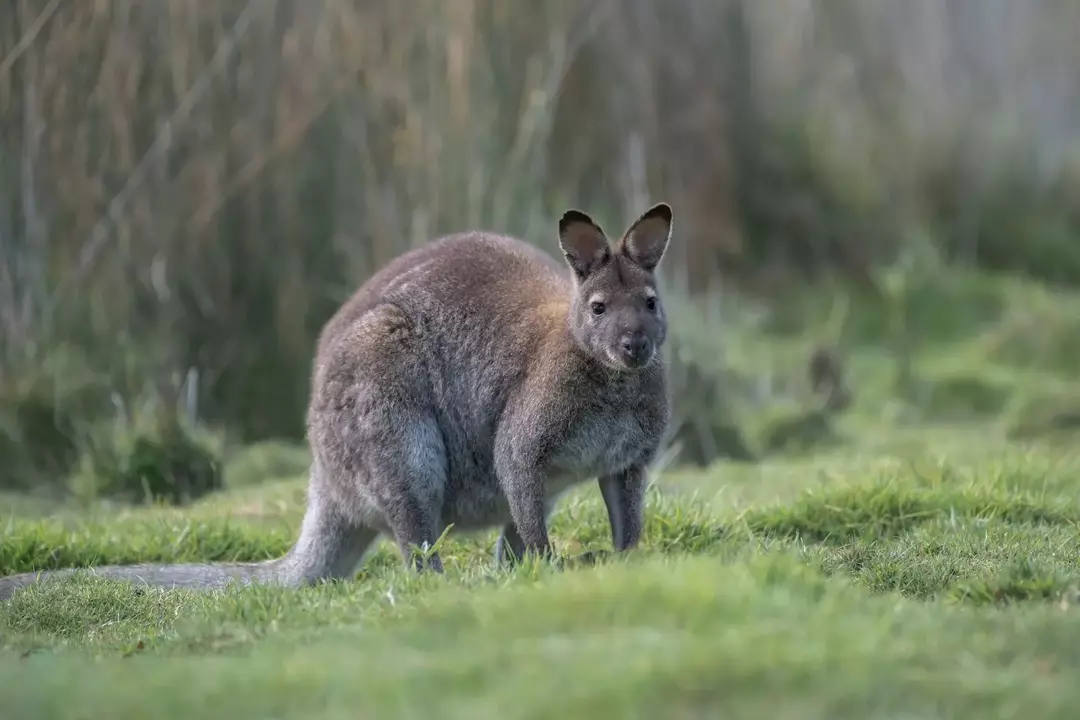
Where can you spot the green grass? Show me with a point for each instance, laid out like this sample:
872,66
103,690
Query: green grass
916,557
921,573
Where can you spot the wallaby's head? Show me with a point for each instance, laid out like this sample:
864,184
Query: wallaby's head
616,314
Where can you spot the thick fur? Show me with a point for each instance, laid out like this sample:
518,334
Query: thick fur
470,382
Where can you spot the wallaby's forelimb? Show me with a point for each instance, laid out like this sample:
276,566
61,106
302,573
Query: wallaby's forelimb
529,517
624,497
523,483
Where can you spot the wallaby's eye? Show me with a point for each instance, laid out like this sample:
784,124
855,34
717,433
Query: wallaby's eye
598,308
650,303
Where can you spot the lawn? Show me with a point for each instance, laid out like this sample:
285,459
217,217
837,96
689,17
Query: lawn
934,573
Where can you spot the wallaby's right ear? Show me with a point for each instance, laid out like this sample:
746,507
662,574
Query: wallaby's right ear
583,243
647,238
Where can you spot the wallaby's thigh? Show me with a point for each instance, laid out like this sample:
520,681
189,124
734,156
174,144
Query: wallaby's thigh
405,476
375,429
393,479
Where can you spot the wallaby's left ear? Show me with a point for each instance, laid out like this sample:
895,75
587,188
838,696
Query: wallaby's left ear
647,238
583,243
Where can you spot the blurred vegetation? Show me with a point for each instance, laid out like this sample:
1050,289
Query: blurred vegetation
159,460
188,191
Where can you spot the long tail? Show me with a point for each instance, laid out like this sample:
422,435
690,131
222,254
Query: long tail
204,576
331,545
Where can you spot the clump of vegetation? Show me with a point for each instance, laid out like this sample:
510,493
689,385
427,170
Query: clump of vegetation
1044,415
268,460
958,396
799,431
161,459
1040,331
37,442
43,406
1016,581
806,429
704,428
781,411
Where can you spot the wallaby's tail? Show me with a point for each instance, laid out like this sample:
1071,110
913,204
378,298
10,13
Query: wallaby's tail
331,545
205,576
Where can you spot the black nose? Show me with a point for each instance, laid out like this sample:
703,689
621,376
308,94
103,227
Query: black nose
634,346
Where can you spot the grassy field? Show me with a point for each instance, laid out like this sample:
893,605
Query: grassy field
932,573
920,562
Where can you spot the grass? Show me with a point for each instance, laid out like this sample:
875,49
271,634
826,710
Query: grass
923,573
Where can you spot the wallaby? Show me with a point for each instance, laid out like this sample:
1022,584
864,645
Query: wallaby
471,382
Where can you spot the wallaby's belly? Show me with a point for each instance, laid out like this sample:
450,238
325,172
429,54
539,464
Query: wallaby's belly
473,499
479,503
600,445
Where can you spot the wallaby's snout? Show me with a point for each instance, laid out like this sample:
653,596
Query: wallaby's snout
616,314
635,349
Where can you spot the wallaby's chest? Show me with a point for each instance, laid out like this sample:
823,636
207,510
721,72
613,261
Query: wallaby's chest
601,442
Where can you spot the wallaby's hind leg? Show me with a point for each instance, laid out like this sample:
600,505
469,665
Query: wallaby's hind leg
414,529
407,479
510,547
371,422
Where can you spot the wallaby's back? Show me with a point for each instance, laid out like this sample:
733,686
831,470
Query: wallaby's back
462,269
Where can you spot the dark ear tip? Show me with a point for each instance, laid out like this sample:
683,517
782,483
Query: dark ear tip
573,216
659,210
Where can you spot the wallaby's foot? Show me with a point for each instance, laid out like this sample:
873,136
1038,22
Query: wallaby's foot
411,517
508,548
415,557
414,532
511,549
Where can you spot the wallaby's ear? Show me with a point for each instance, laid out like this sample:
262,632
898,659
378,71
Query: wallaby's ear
583,243
647,238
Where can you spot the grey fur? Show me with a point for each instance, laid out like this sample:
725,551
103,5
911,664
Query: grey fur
472,381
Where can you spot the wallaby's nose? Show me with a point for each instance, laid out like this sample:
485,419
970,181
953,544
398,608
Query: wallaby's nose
635,348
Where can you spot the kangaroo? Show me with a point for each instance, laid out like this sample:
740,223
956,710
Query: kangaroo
470,382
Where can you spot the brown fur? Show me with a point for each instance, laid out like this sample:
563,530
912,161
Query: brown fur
470,382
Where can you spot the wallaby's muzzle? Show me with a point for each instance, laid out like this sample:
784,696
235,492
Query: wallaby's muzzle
635,349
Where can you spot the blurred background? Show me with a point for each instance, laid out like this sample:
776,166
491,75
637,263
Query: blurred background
877,208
